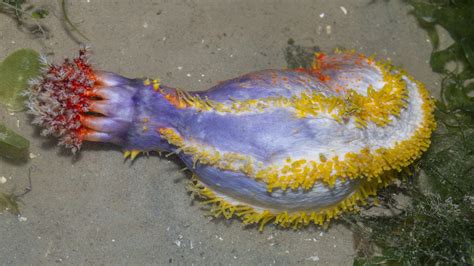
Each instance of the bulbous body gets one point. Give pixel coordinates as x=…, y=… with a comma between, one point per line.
x=288, y=146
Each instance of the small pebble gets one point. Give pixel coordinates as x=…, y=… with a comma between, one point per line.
x=344, y=10
x=328, y=29
x=313, y=258
x=3, y=180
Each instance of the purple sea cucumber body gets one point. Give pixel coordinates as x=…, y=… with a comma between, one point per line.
x=277, y=141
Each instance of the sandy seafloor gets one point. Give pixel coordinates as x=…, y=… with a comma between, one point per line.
x=98, y=209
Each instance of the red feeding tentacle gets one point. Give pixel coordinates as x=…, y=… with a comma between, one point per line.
x=60, y=97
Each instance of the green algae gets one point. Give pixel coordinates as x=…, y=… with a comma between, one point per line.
x=432, y=231
x=12, y=145
x=9, y=202
x=449, y=163
x=15, y=72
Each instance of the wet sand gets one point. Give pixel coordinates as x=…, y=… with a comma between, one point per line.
x=98, y=209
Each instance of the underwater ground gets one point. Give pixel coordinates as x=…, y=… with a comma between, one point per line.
x=97, y=209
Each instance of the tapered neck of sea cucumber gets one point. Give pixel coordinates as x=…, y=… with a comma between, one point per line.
x=155, y=108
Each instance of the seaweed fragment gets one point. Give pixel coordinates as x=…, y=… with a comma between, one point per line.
x=457, y=19
x=12, y=145
x=9, y=202
x=297, y=56
x=15, y=72
x=68, y=25
x=27, y=16
x=433, y=231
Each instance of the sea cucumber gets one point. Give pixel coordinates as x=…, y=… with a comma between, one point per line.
x=291, y=147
